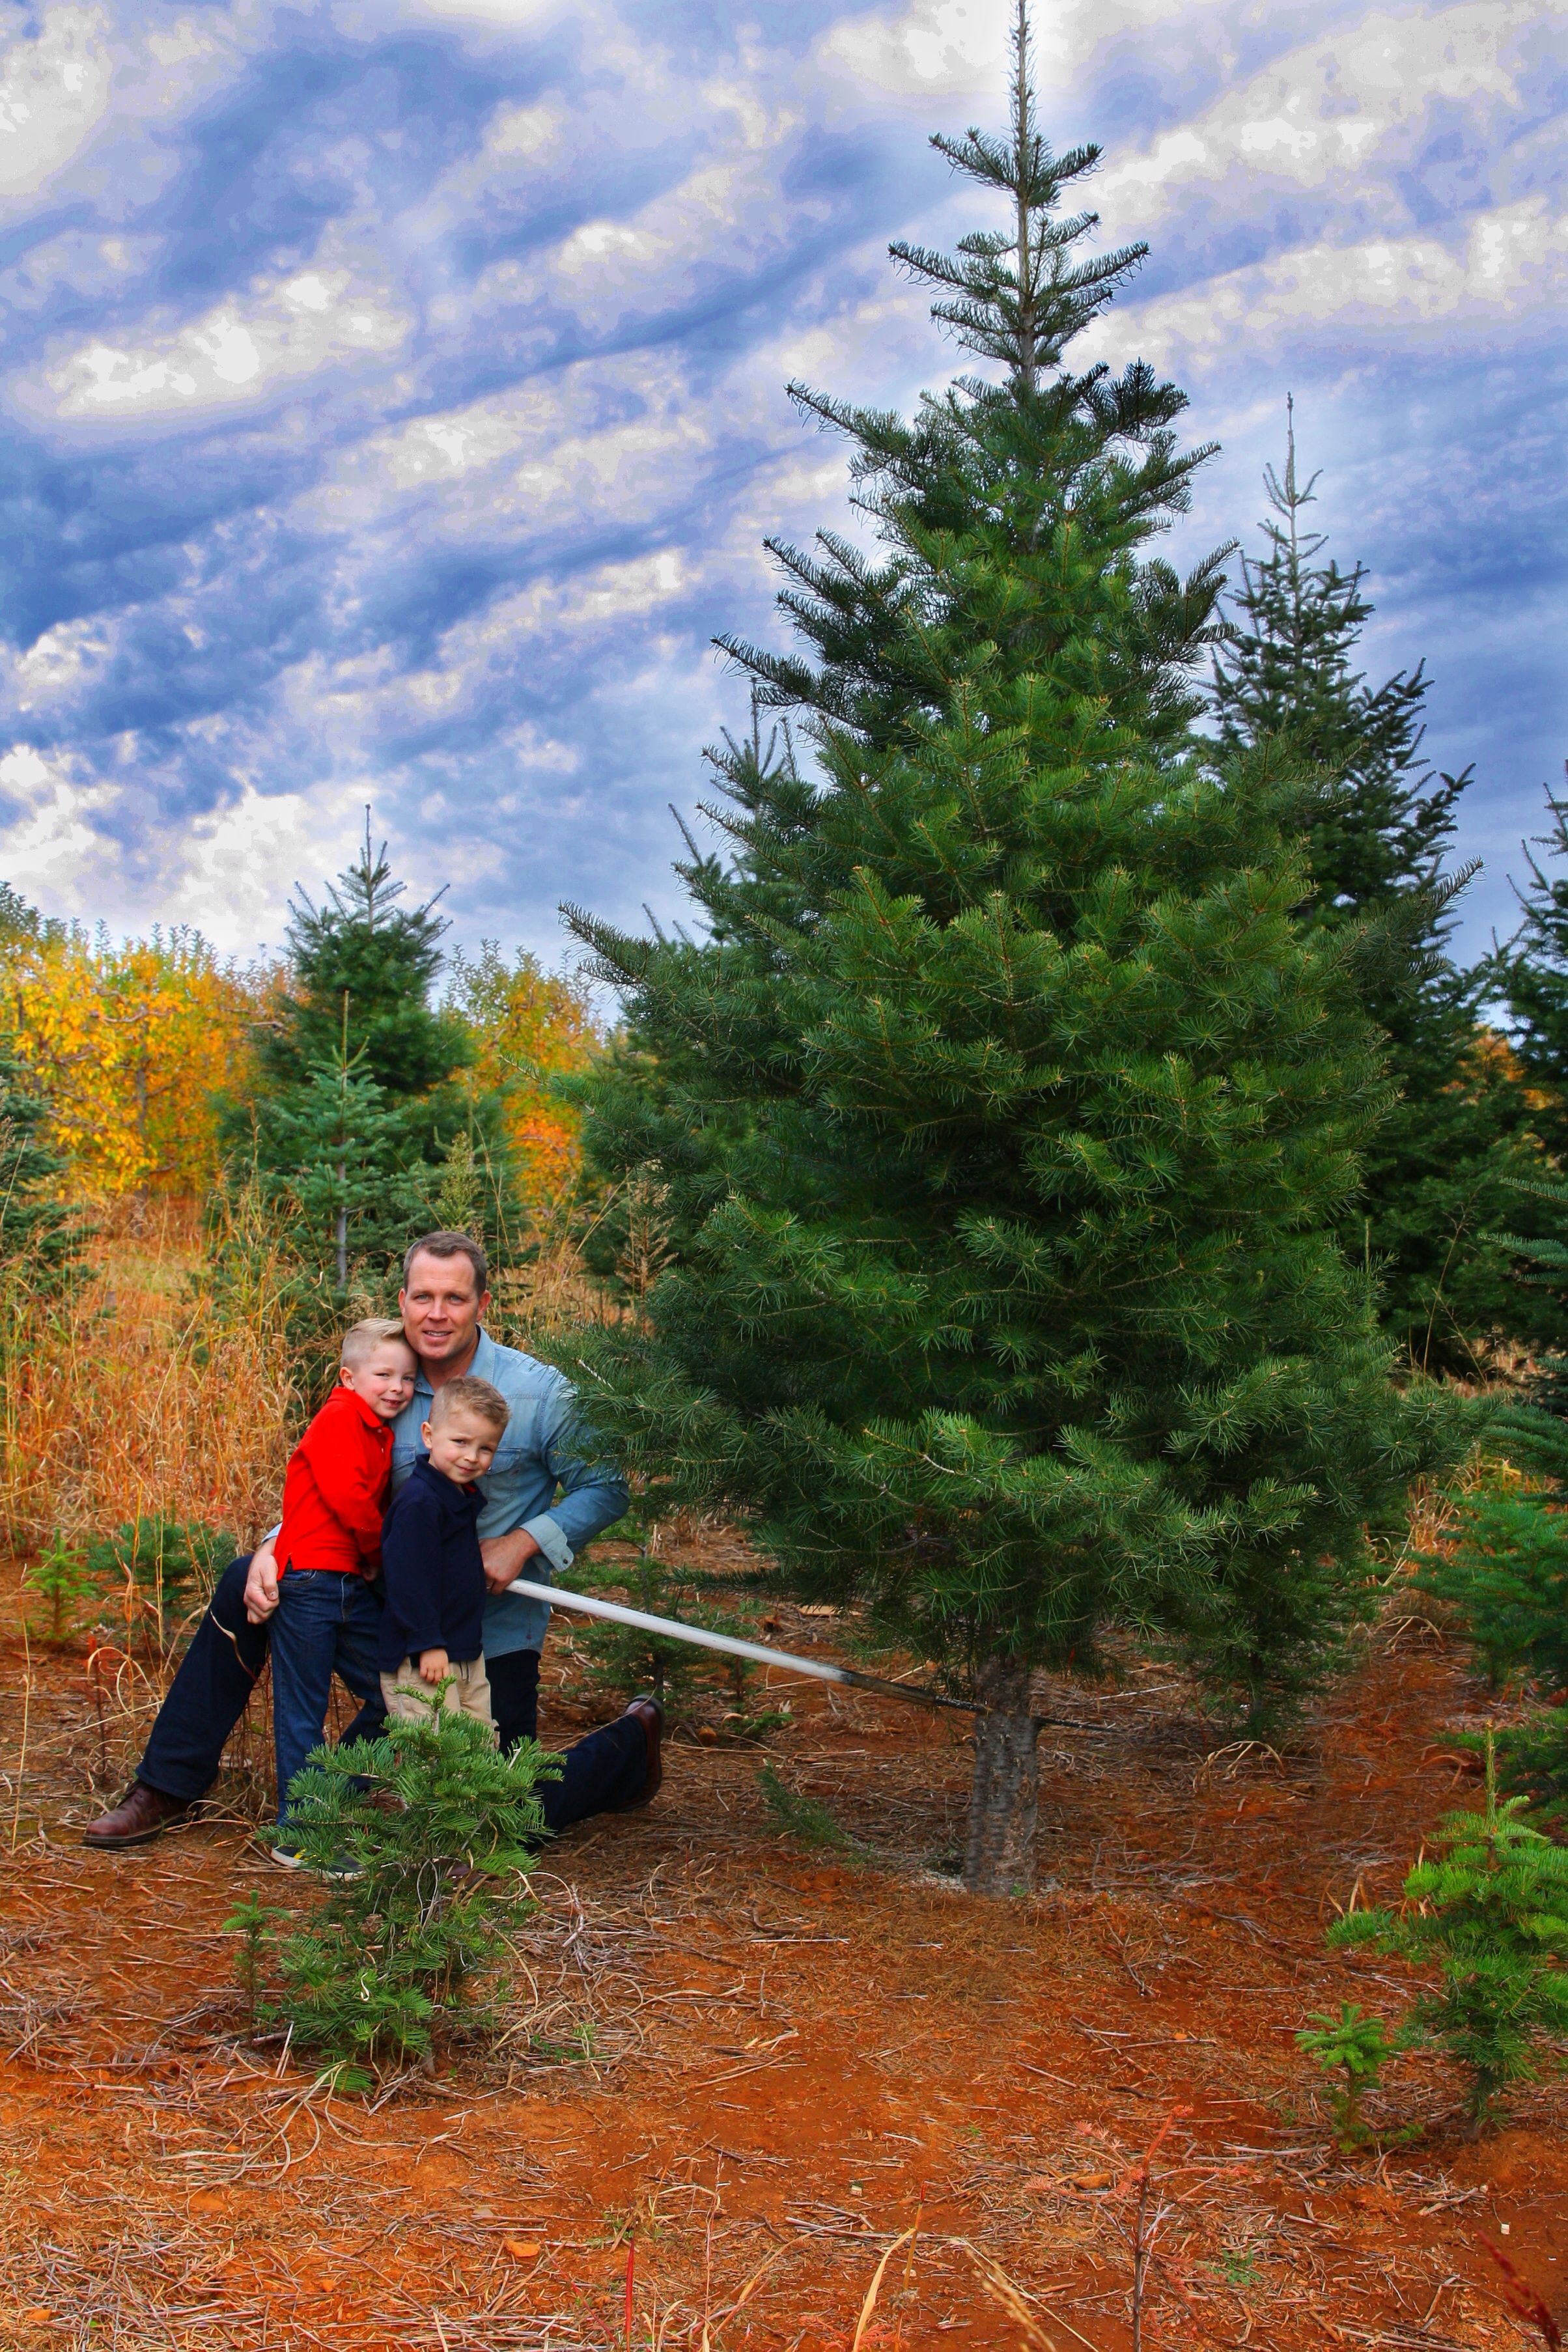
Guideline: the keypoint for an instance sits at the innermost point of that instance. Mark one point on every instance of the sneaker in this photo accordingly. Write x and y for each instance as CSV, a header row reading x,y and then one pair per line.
x,y
343,1866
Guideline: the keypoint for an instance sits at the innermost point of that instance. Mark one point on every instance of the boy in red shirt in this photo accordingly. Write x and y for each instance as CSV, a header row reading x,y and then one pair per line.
x,y
329,1550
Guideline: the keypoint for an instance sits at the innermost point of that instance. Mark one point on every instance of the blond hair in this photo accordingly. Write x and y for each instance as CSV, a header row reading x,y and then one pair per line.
x,y
485,1402
361,1340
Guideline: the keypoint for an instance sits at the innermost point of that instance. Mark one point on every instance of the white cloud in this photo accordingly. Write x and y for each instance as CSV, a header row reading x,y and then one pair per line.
x,y
229,872
1387,293
1333,111
240,351
54,90
447,480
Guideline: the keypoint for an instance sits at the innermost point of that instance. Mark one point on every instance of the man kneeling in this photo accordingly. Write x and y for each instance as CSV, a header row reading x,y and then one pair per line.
x,y
543,1499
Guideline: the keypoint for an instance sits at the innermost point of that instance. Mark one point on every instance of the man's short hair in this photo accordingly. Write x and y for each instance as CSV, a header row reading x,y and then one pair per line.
x,y
451,1245
485,1402
361,1341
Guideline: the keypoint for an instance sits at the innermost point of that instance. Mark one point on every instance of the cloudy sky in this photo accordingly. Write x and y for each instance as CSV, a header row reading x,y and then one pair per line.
x,y
392,395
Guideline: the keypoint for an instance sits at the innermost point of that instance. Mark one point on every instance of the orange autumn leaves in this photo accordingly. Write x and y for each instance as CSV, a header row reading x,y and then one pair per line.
x,y
136,1044
131,1043
529,1026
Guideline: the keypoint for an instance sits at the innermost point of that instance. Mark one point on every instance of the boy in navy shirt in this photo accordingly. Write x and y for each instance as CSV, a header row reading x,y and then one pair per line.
x,y
431,1568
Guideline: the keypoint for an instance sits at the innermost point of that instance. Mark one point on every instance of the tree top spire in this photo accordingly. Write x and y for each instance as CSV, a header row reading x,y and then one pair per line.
x,y
1016,296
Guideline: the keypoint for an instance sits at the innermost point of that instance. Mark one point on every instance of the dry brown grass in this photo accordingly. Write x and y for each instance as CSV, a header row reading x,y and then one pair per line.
x,y
134,1398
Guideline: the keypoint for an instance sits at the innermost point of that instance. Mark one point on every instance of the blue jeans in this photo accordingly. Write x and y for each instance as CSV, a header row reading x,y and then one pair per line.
x,y
326,1623
223,1664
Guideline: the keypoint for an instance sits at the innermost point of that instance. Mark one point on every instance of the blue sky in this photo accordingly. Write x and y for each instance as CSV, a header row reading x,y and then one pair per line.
x,y
392,397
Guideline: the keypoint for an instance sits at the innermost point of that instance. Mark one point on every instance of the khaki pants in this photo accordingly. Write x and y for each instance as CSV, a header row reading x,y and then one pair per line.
x,y
407,1697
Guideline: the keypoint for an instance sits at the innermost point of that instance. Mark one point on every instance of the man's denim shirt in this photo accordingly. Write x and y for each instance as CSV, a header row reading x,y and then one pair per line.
x,y
535,1456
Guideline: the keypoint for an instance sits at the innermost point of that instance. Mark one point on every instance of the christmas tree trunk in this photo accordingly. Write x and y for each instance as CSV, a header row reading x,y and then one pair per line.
x,y
1004,1803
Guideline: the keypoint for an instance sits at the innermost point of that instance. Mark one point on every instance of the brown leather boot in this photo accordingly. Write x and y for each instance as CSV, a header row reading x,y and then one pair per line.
x,y
143,1813
650,1715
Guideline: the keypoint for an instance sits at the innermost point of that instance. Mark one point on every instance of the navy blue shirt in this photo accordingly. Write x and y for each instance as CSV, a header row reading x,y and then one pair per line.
x,y
432,1571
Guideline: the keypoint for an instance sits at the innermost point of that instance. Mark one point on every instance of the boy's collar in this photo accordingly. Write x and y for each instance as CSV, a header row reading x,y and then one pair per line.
x,y
425,1464
367,1412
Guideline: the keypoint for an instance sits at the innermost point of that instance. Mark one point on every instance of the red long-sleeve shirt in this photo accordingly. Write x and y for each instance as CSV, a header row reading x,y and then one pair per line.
x,y
335,1490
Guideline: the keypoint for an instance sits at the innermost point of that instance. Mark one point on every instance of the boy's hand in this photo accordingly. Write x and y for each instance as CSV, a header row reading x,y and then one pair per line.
x,y
433,1665
261,1585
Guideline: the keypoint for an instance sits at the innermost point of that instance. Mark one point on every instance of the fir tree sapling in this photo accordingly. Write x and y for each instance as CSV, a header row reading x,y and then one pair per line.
x,y
1532,1762
63,1581
808,1822
422,1835
1506,1576
1379,836
167,1568
1004,1115
1491,1913
1355,2046
624,1658
1504,1572
256,1927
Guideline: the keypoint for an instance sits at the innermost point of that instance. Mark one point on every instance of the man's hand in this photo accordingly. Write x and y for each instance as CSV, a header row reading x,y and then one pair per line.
x,y
505,1556
261,1585
433,1665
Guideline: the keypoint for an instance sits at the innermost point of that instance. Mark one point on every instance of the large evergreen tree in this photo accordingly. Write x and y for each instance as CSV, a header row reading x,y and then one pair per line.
x,y
1438,1173
1532,972
1003,1112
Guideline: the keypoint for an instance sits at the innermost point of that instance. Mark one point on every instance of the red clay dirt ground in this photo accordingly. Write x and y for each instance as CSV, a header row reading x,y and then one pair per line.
x,y
757,2074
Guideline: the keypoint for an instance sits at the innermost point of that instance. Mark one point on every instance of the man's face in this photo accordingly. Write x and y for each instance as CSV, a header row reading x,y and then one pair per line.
x,y
441,1307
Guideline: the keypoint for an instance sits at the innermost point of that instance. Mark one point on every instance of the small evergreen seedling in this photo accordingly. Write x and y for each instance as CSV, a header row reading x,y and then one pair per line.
x,y
810,1825
1354,2045
63,1580
168,1566
1492,1912
1506,1579
437,1824
622,1658
1532,1762
253,1923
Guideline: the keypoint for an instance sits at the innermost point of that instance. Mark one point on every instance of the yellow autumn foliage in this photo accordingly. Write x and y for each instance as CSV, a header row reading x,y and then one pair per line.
x,y
130,1042
529,1025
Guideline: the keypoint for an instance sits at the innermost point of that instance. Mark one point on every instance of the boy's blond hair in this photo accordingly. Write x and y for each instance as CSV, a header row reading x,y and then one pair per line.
x,y
483,1401
361,1340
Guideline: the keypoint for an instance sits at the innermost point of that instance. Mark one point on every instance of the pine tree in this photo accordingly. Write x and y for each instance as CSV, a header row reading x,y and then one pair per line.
x,y
361,947
340,1152
1533,972
41,1232
1003,1112
422,1836
359,1108
1379,838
